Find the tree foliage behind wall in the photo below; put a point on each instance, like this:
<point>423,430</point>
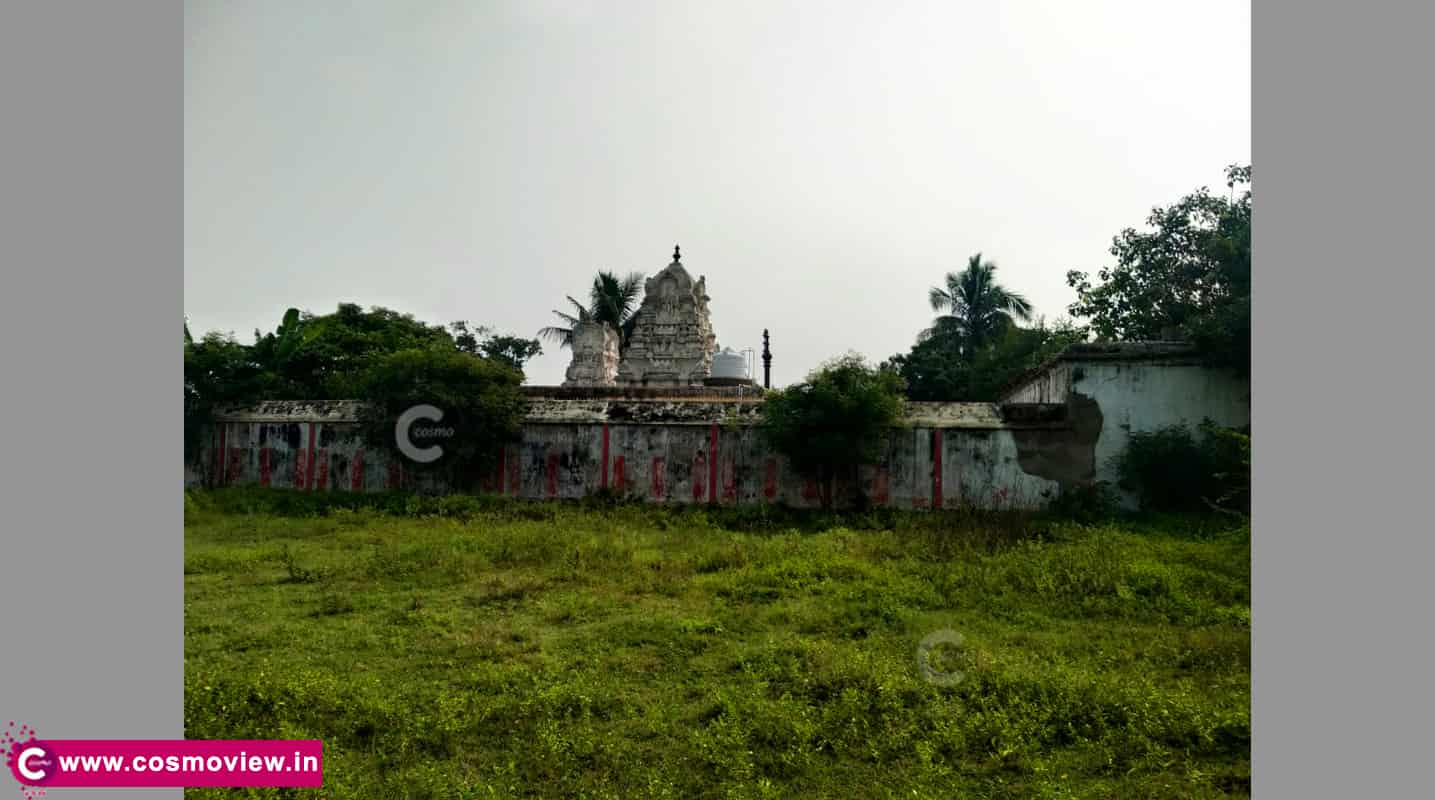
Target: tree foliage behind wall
<point>1188,275</point>
<point>938,368</point>
<point>975,309</point>
<point>330,357</point>
<point>834,422</point>
<point>482,407</point>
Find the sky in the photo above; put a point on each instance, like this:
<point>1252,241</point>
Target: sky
<point>823,164</point>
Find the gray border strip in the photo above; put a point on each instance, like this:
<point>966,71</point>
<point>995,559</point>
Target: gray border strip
<point>1342,705</point>
<point>91,228</point>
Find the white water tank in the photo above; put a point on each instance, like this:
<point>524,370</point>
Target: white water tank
<point>730,364</point>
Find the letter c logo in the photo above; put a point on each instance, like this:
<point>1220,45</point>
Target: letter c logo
<point>22,763</point>
<point>423,455</point>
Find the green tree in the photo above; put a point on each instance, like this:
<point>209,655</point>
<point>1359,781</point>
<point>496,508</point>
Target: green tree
<point>1019,350</point>
<point>318,357</point>
<point>1188,276</point>
<point>480,398</point>
<point>936,368</point>
<point>611,300</point>
<point>481,340</point>
<point>974,308</point>
<point>218,370</point>
<point>514,351</point>
<point>834,422</point>
<point>616,301</point>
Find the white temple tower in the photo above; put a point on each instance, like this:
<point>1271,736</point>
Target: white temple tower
<point>672,342</point>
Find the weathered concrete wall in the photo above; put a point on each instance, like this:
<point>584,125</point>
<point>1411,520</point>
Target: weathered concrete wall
<point>945,455</point>
<point>1135,387</point>
<point>1060,426</point>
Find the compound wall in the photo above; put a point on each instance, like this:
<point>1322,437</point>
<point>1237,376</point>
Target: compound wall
<point>1060,426</point>
<point>663,462</point>
<point>1137,387</point>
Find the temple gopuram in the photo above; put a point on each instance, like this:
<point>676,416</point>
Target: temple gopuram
<point>672,343</point>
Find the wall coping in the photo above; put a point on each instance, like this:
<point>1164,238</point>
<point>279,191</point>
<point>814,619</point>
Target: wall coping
<point>684,412</point>
<point>1153,353</point>
<point>716,394</point>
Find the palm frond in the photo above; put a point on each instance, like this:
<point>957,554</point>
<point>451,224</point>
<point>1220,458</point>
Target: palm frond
<point>1015,305</point>
<point>940,299</point>
<point>612,299</point>
<point>974,306</point>
<point>562,336</point>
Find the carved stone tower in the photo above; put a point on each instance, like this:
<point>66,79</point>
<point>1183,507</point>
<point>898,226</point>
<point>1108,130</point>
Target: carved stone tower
<point>595,355</point>
<point>672,342</point>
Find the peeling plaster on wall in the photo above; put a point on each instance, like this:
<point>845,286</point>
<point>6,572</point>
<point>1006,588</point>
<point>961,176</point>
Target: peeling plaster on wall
<point>1137,386</point>
<point>1065,456</point>
<point>667,455</point>
<point>701,444</point>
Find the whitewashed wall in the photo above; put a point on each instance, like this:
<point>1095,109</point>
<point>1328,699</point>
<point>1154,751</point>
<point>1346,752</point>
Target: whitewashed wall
<point>1139,387</point>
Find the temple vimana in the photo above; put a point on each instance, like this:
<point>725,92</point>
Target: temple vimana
<point>672,343</point>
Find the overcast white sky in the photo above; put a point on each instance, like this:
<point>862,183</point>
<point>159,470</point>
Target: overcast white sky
<point>822,163</point>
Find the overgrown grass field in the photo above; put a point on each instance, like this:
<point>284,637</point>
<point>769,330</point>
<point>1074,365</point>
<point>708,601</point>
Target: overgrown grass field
<point>472,648</point>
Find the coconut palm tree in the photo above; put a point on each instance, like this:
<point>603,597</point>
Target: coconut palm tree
<point>612,300</point>
<point>564,335</point>
<point>615,301</point>
<point>973,307</point>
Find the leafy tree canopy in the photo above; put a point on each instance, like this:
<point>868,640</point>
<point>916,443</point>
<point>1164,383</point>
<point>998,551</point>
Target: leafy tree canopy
<point>318,357</point>
<point>1188,275</point>
<point>483,341</point>
<point>324,357</point>
<point>481,404</point>
<point>937,367</point>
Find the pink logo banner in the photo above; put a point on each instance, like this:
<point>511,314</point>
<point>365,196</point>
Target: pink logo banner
<point>155,763</point>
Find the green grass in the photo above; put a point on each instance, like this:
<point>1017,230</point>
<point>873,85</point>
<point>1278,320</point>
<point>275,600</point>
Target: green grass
<point>468,648</point>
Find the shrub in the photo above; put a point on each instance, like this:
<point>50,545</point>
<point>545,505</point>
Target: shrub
<point>1230,452</point>
<point>1173,469</point>
<point>833,422</point>
<point>1085,504</point>
<point>480,401</point>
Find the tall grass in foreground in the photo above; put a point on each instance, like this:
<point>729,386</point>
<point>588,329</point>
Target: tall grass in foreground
<point>471,647</point>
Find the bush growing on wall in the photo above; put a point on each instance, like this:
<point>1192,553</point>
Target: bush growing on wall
<point>479,399</point>
<point>1174,469</point>
<point>833,422</point>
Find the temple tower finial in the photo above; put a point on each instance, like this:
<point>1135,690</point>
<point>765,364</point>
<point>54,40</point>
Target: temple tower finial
<point>677,254</point>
